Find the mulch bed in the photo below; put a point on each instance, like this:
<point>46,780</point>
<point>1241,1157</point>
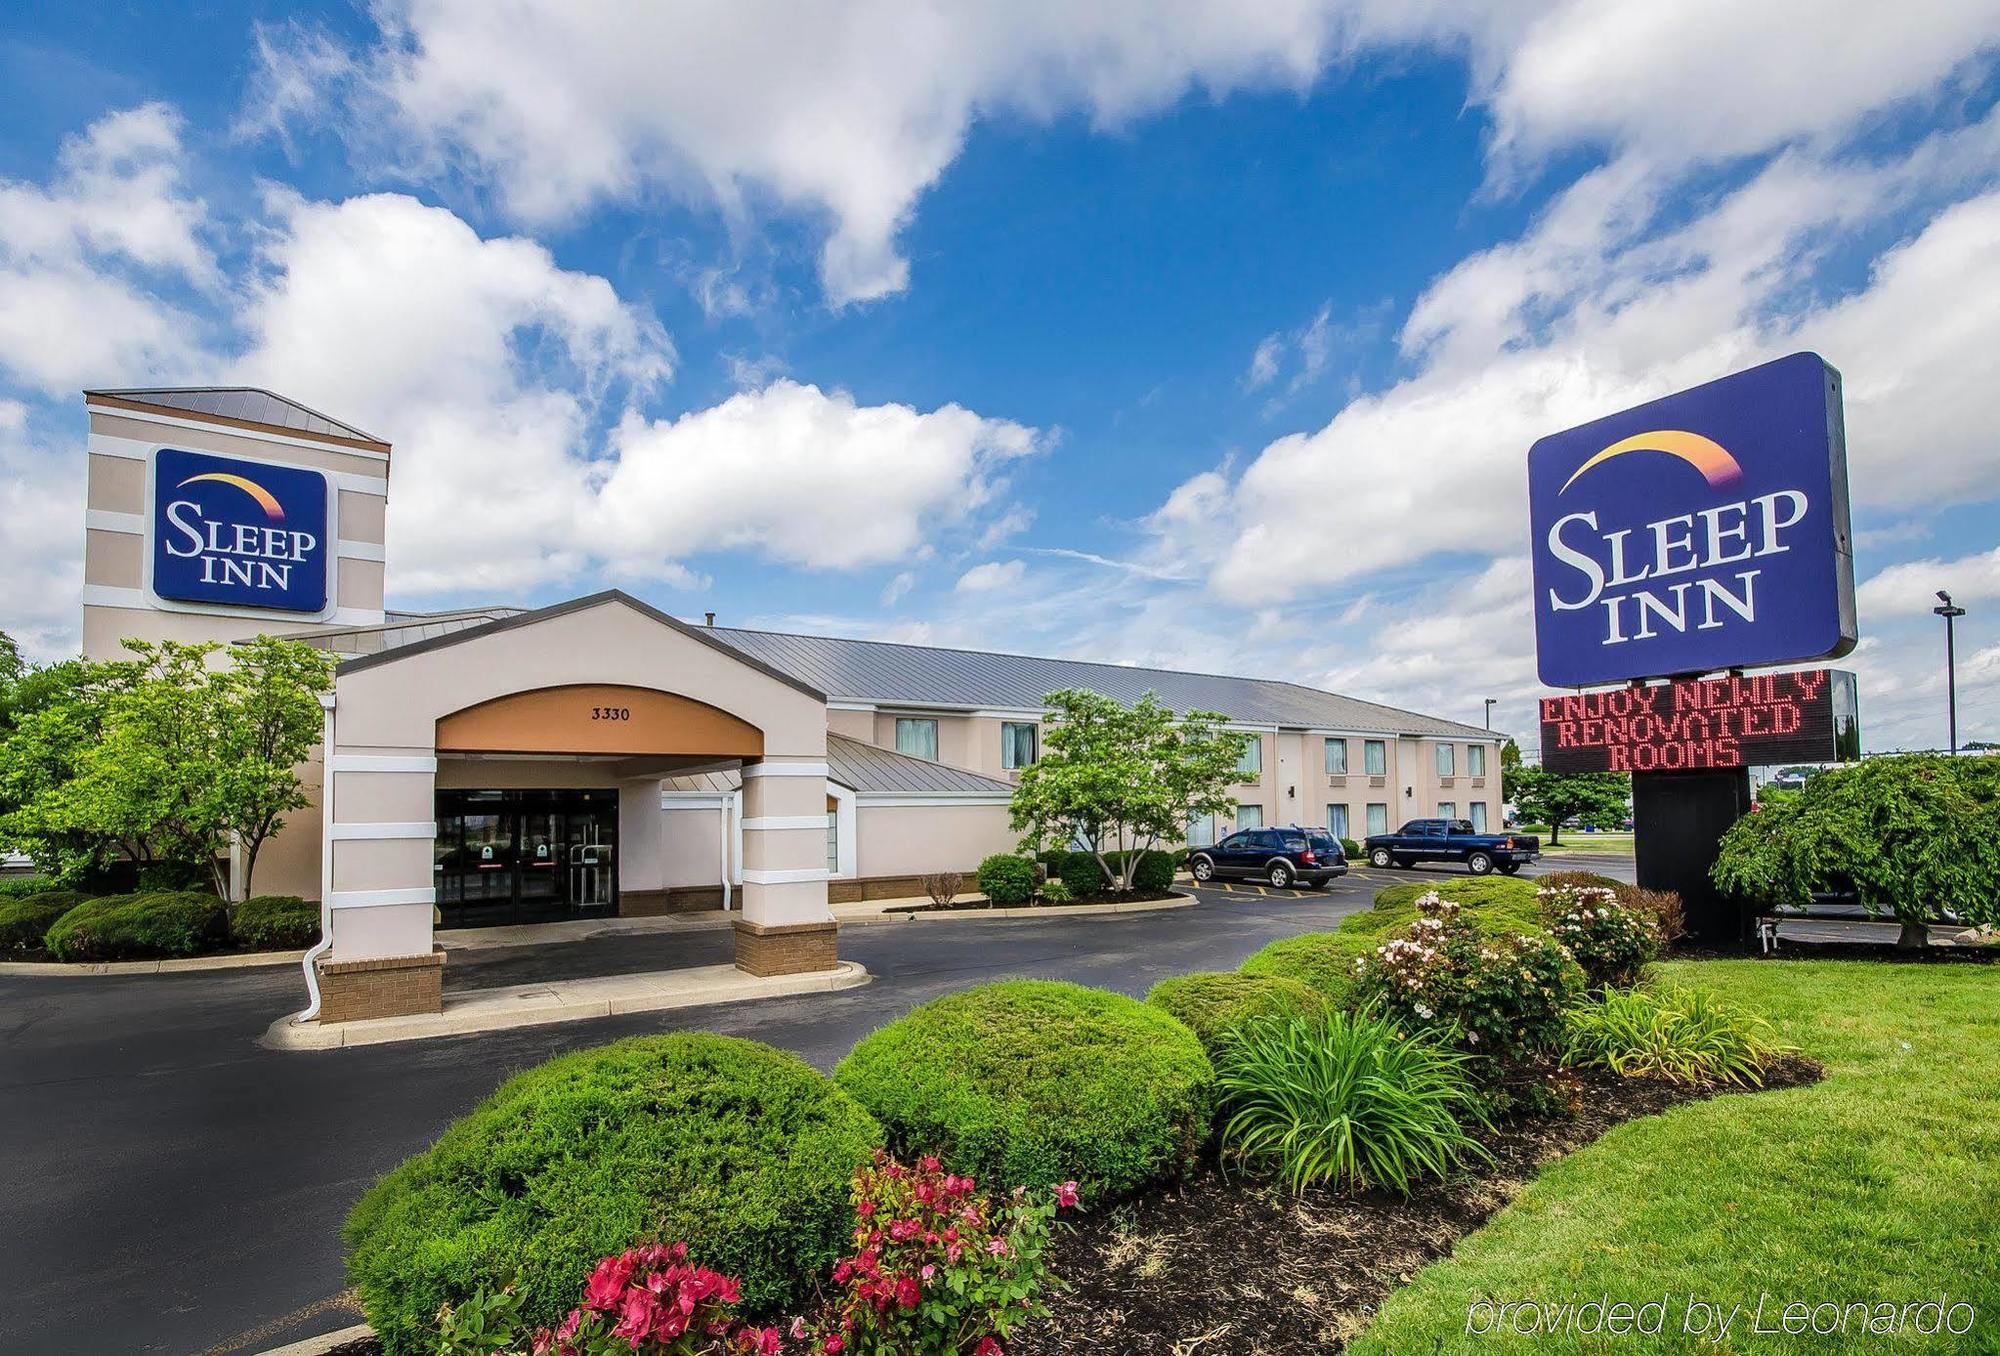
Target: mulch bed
<point>988,906</point>
<point>1215,1265</point>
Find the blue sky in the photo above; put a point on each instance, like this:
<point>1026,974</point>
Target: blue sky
<point>1156,333</point>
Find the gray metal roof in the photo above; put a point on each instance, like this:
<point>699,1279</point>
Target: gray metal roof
<point>250,403</point>
<point>889,673</point>
<point>870,771</point>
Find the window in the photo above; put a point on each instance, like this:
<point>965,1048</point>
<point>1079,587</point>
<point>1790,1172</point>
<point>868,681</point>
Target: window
<point>1446,763</point>
<point>1479,816</point>
<point>1475,760</point>
<point>832,841</point>
<point>1017,744</point>
<point>918,738</point>
<point>1336,757</point>
<point>1249,816</point>
<point>1201,831</point>
<point>1376,754</point>
<point>1336,820</point>
<point>1378,819</point>
<point>1447,810</point>
<point>1250,762</point>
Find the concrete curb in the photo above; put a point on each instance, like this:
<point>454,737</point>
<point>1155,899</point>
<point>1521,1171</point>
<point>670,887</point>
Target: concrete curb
<point>254,960</point>
<point>574,1000</point>
<point>875,916</point>
<point>325,1342</point>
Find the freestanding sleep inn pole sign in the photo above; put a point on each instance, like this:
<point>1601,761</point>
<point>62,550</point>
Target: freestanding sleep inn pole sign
<point>1702,533</point>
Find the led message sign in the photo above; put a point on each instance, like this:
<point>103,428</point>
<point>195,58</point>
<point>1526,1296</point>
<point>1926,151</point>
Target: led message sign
<point>239,533</point>
<point>1704,531</point>
<point>1753,720</point>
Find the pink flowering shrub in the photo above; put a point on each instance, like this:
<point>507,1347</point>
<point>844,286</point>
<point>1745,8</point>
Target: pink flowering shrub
<point>1498,996</point>
<point>1611,942</point>
<point>648,1301</point>
<point>938,1269</point>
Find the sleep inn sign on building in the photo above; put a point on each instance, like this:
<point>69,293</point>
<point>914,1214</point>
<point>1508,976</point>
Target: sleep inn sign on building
<point>1704,531</point>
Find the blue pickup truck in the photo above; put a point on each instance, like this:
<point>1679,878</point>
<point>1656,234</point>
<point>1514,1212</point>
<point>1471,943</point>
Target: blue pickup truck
<point>1452,840</point>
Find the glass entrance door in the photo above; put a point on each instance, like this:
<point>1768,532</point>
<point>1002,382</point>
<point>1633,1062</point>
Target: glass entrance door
<point>525,856</point>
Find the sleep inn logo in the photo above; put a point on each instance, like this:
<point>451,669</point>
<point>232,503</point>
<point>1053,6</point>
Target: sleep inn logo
<point>238,533</point>
<point>1700,532</point>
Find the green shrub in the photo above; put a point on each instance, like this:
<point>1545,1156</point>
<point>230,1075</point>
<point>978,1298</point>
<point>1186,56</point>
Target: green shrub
<point>1214,1004</point>
<point>1679,1035</point>
<point>1610,941</point>
<point>1055,892</point>
<point>140,927</point>
<point>1351,849</point>
<point>1029,1082</point>
<point>1007,879</point>
<point>1344,1100</point>
<point>1155,871</point>
<point>1323,961</point>
<point>1078,870</point>
<point>26,920</point>
<point>740,1151</point>
<point>20,887</point>
<point>1494,900</point>
<point>279,922</point>
<point>1499,995</point>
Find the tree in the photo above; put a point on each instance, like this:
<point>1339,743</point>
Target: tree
<point>1542,796</point>
<point>1915,836</point>
<point>165,757</point>
<point>1123,779</point>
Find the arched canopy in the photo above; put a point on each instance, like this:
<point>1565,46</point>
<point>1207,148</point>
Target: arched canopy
<point>598,718</point>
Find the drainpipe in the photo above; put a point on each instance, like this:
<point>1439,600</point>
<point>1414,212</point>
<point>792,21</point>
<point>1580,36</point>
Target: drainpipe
<point>325,942</point>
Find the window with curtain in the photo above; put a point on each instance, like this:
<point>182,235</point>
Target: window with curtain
<point>1447,763</point>
<point>1377,754</point>
<point>1249,816</point>
<point>1201,831</point>
<point>1447,809</point>
<point>1017,744</point>
<point>918,738</point>
<point>1336,820</point>
<point>1250,762</point>
<point>1478,808</point>
<point>1378,819</point>
<point>1475,760</point>
<point>1336,757</point>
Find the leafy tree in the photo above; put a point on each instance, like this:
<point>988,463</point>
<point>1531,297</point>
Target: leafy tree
<point>1916,836</point>
<point>1123,778</point>
<point>166,757</point>
<point>1542,796</point>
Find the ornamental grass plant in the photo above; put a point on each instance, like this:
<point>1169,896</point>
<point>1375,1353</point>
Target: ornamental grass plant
<point>1345,1100</point>
<point>1679,1035</point>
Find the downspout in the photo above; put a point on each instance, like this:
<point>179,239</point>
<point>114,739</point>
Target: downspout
<point>325,942</point>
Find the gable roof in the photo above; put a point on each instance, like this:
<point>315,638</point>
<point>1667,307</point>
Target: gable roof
<point>890,673</point>
<point>243,405</point>
<point>703,634</point>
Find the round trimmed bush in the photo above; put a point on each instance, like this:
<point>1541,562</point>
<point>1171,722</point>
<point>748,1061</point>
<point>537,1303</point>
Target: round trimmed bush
<point>1212,1005</point>
<point>1155,871</point>
<point>1322,961</point>
<point>280,922</point>
<point>24,921</point>
<point>1030,1082</point>
<point>140,927</point>
<point>1007,879</point>
<point>741,1151</point>
<point>1078,870</point>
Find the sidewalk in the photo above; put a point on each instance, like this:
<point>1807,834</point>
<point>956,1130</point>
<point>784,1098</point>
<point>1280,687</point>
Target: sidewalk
<point>565,1000</point>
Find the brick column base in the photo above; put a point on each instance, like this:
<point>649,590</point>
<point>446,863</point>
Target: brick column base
<point>393,986</point>
<point>787,948</point>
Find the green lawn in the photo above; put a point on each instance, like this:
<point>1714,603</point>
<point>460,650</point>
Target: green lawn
<point>1604,844</point>
<point>1881,1183</point>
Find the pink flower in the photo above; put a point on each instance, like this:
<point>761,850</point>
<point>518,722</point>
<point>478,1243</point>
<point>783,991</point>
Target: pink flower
<point>1066,1195</point>
<point>908,1293</point>
<point>997,1246</point>
<point>835,1345</point>
<point>988,1347</point>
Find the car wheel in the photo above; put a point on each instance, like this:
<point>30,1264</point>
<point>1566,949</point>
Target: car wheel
<point>1202,869</point>
<point>1479,863</point>
<point>1280,875</point>
<point>1380,857</point>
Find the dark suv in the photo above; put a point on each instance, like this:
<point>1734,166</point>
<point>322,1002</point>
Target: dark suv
<point>1280,856</point>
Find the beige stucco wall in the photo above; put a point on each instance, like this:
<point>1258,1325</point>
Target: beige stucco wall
<point>910,840</point>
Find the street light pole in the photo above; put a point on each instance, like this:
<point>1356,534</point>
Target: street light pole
<point>1491,702</point>
<point>1950,614</point>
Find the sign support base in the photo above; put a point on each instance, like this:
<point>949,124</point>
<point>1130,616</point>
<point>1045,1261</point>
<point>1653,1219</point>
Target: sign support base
<point>1678,819</point>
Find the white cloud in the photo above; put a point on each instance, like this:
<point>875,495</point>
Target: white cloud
<point>41,503</point>
<point>1264,362</point>
<point>852,112</point>
<point>1910,588</point>
<point>992,575</point>
<point>84,260</point>
<point>896,588</point>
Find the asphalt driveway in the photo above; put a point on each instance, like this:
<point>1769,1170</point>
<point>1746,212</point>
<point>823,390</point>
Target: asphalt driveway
<point>166,1184</point>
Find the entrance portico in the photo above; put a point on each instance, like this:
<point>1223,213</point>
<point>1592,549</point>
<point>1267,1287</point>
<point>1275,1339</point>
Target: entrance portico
<point>562,722</point>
